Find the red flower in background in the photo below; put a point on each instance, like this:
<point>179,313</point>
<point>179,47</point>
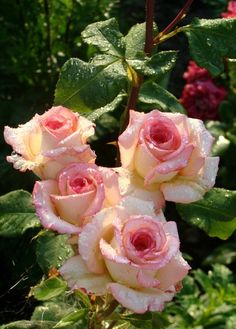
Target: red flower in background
<point>231,13</point>
<point>201,96</point>
<point>195,72</point>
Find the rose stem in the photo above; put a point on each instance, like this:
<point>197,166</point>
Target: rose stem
<point>148,50</point>
<point>138,80</point>
<point>175,21</point>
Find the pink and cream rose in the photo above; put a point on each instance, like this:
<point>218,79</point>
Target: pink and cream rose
<point>170,151</point>
<point>79,192</point>
<point>49,141</point>
<point>130,252</point>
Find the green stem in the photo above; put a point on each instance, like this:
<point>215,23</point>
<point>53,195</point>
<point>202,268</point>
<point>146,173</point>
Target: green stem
<point>182,13</point>
<point>137,82</point>
<point>172,33</point>
<point>103,314</point>
<point>137,79</point>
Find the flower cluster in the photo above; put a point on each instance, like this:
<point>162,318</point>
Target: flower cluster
<point>231,10</point>
<point>125,246</point>
<point>201,96</point>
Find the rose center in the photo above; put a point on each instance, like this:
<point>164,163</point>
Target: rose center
<point>80,184</point>
<point>55,123</point>
<point>160,135</point>
<point>142,241</point>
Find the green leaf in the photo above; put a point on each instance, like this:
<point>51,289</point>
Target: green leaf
<point>210,41</point>
<point>49,289</point>
<point>232,73</point>
<point>143,321</point>
<point>29,325</point>
<point>223,254</point>
<point>84,87</point>
<point>83,297</point>
<point>157,66</point>
<point>52,250</point>
<point>204,280</point>
<point>72,318</point>
<point>159,321</point>
<point>157,97</point>
<point>135,40</point>
<point>230,323</point>
<point>96,114</point>
<point>52,311</point>
<point>215,213</point>
<point>17,213</point>
<point>106,36</point>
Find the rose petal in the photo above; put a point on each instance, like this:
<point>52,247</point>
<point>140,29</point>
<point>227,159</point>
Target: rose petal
<point>170,167</point>
<point>111,185</point>
<point>123,273</point>
<point>73,208</point>
<point>131,206</point>
<point>140,301</point>
<point>144,161</point>
<point>58,158</point>
<point>129,138</point>
<point>110,253</point>
<point>26,139</point>
<point>133,185</point>
<point>195,163</point>
<point>201,136</point>
<point>75,272</point>
<point>173,272</point>
<point>21,164</point>
<point>209,172</point>
<point>146,280</point>
<point>182,191</point>
<point>45,210</point>
<point>89,239</point>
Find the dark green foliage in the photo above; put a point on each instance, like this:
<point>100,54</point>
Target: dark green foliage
<point>204,35</point>
<point>215,213</point>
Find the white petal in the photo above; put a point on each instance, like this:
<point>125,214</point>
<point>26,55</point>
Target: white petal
<point>209,172</point>
<point>173,272</point>
<point>46,211</point>
<point>201,136</point>
<point>90,237</point>
<point>75,272</point>
<point>131,206</point>
<point>140,301</point>
<point>73,208</point>
<point>182,191</point>
<point>129,138</point>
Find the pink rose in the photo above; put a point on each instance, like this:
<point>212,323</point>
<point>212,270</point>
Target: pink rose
<point>79,192</point>
<point>130,252</point>
<point>48,142</point>
<point>133,185</point>
<point>171,152</point>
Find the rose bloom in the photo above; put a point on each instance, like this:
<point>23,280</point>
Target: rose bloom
<point>48,142</point>
<point>195,73</point>
<point>171,152</point>
<point>133,185</point>
<point>231,13</point>
<point>80,191</point>
<point>202,99</point>
<point>130,252</point>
